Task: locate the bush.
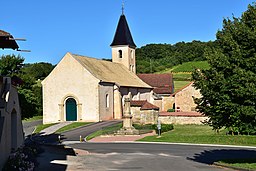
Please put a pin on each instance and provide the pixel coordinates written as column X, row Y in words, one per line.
column 164, row 127
column 171, row 110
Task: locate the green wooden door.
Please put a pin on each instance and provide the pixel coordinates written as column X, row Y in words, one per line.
column 71, row 110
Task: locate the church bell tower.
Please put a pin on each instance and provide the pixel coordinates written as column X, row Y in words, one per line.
column 123, row 46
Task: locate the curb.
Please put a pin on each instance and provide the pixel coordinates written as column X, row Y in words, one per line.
column 231, row 167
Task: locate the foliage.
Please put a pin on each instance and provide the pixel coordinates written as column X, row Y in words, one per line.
column 229, row 86
column 171, row 110
column 23, row 159
column 30, row 92
column 157, row 57
column 201, row 134
column 38, row 70
column 10, row 64
column 191, row 66
column 164, row 127
column 34, row 118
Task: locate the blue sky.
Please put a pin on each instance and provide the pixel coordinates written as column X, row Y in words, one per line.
column 87, row 27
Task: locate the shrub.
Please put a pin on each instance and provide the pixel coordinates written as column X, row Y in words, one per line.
column 23, row 159
column 171, row 110
column 164, row 127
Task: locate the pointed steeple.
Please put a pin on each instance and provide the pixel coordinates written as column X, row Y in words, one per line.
column 123, row 35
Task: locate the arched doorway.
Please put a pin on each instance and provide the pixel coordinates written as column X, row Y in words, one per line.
column 71, row 110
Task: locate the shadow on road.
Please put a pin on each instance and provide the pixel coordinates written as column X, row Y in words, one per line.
column 211, row 156
column 54, row 158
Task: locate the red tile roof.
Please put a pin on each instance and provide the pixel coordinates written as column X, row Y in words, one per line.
column 162, row 83
column 144, row 104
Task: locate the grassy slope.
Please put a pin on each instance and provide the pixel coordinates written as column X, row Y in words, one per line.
column 240, row 163
column 72, row 126
column 42, row 127
column 201, row 134
column 34, row 118
column 180, row 84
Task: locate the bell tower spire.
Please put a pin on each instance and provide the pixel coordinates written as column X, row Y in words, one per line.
column 123, row 7
column 123, row 46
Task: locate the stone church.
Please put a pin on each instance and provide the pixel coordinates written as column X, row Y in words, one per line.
column 81, row 88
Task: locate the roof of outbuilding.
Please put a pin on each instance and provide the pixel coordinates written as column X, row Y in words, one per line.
column 111, row 72
column 6, row 41
column 123, row 35
column 144, row 104
column 162, row 83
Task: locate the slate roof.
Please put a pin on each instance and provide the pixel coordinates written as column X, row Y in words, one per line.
column 144, row 104
column 123, row 35
column 111, row 72
column 162, row 83
column 5, row 41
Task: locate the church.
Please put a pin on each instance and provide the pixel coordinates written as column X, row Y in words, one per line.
column 86, row 89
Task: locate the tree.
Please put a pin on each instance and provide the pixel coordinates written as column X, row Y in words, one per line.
column 10, row 65
column 229, row 86
column 38, row 70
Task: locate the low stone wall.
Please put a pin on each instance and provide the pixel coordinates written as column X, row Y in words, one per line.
column 144, row 116
column 182, row 118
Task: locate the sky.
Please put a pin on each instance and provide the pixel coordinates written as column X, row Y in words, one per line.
column 87, row 27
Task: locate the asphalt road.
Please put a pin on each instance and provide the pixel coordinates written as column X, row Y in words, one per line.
column 28, row 127
column 74, row 135
column 140, row 156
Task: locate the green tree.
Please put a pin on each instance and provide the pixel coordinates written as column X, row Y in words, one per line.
column 10, row 64
column 38, row 70
column 229, row 86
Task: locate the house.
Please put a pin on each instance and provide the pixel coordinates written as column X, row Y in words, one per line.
column 184, row 98
column 7, row 41
column 163, row 89
column 81, row 88
column 11, row 130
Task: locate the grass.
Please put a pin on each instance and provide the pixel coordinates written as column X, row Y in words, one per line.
column 72, row 126
column 186, row 67
column 180, row 84
column 201, row 134
column 240, row 163
column 105, row 131
column 191, row 66
column 34, row 118
column 42, row 127
column 182, row 76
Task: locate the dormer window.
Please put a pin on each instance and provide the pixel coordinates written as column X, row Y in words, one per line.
column 120, row 53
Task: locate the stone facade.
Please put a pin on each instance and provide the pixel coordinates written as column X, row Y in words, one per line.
column 11, row 130
column 144, row 116
column 70, row 80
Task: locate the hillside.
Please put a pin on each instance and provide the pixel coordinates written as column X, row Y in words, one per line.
column 187, row 67
column 182, row 73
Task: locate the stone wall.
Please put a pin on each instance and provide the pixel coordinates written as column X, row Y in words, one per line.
column 182, row 118
column 144, row 116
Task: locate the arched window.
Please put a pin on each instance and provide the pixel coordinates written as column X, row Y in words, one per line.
column 132, row 54
column 120, row 53
column 107, row 101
